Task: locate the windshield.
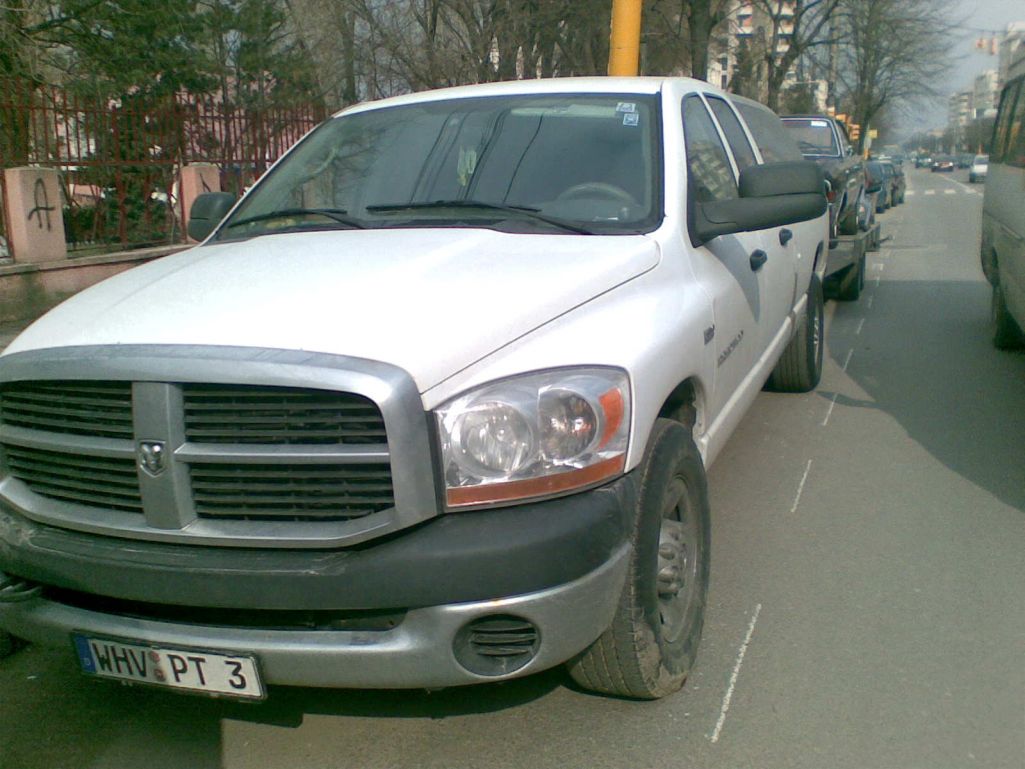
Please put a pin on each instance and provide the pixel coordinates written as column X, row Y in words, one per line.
column 558, row 163
column 814, row 137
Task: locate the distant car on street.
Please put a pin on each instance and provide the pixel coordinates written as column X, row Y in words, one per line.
column 878, row 184
column 923, row 161
column 980, row 165
column 942, row 164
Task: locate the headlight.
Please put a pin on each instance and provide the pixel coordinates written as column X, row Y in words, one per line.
column 535, row 435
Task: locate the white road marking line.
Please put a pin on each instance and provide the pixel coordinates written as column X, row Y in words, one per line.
column 909, row 192
column 930, row 192
column 851, row 353
column 733, row 678
column 877, row 281
column 870, row 300
column 825, row 422
column 860, row 326
column 949, row 192
column 804, row 478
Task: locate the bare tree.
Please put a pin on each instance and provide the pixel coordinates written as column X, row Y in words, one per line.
column 892, row 55
column 794, row 28
column 703, row 18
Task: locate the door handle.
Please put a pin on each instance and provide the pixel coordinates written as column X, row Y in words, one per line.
column 785, row 236
column 758, row 259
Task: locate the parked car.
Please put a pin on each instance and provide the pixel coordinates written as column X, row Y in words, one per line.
column 879, row 186
column 898, row 184
column 1003, row 219
column 980, row 165
column 964, row 160
column 942, row 164
column 431, row 405
column 824, row 140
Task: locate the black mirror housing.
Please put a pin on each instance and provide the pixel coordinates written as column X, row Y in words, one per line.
column 771, row 195
column 207, row 212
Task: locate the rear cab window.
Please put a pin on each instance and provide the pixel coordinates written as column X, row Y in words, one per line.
column 814, row 137
column 774, row 141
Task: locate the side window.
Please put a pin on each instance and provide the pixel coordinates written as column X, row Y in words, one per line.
column 708, row 166
column 773, row 140
column 1015, row 154
column 735, row 135
column 1001, row 130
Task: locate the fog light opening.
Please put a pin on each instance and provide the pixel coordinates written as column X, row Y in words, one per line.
column 496, row 645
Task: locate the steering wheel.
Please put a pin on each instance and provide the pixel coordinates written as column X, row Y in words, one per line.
column 602, row 190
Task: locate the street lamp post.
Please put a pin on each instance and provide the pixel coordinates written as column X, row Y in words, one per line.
column 625, row 41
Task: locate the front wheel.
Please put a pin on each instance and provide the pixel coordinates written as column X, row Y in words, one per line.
column 649, row 648
column 1007, row 335
column 799, row 368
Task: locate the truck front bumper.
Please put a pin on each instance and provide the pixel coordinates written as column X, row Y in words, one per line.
column 557, row 567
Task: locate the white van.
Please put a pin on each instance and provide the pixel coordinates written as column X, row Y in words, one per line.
column 1003, row 219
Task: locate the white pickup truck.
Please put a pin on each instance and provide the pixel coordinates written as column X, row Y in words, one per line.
column 432, row 405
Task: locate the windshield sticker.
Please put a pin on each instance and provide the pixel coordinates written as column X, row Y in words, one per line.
column 631, row 119
column 467, row 165
column 626, row 106
column 820, row 124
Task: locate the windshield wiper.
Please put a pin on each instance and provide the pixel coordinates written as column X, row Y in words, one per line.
column 339, row 215
column 520, row 211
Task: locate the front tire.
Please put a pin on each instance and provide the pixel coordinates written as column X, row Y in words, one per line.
column 649, row 648
column 799, row 369
column 1007, row 335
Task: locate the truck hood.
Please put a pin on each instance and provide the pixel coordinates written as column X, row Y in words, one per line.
column 431, row 301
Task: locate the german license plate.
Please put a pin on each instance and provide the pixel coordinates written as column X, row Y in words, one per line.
column 225, row 675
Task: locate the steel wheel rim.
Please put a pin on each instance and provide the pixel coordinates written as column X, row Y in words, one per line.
column 678, row 562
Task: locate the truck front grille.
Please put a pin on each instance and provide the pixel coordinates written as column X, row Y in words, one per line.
column 70, row 408
column 87, row 480
column 217, row 462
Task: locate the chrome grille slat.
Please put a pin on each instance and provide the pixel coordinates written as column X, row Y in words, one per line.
column 29, row 474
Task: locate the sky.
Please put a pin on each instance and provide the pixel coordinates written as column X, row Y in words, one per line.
column 984, row 17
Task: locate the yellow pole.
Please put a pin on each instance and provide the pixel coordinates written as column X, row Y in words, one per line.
column 625, row 44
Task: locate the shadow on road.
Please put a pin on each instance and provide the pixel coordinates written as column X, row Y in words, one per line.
column 925, row 358
column 103, row 725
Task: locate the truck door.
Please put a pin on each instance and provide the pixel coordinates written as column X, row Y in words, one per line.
column 723, row 266
column 777, row 276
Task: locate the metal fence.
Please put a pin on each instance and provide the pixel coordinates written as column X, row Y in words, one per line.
column 119, row 159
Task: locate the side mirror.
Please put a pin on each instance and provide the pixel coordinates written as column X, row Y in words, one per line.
column 771, row 195
column 207, row 212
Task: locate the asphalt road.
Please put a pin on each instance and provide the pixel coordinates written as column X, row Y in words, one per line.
column 866, row 610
